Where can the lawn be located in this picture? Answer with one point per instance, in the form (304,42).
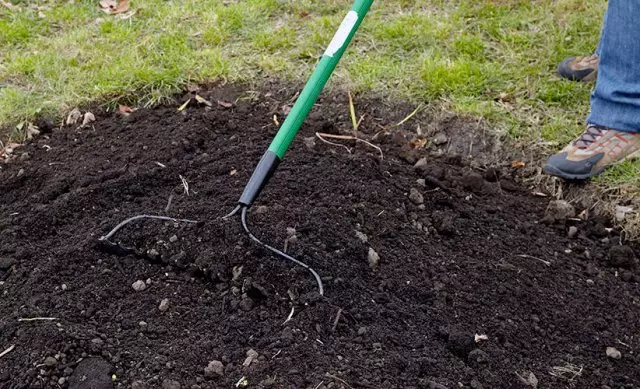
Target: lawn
(494,59)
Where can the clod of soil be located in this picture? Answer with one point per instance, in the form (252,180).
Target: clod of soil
(214,369)
(469,257)
(461,344)
(94,373)
(622,256)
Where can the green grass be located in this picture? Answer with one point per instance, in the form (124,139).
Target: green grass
(490,58)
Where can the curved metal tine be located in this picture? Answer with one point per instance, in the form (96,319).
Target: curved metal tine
(107,245)
(280,253)
(232,213)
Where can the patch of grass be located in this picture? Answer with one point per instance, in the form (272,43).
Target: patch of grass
(488,58)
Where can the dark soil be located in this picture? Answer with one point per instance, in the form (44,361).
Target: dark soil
(460,255)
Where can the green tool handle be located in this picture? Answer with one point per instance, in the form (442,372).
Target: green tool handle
(308,97)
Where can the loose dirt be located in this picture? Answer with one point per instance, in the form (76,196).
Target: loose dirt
(468,288)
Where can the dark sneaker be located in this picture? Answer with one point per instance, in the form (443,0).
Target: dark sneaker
(579,68)
(595,150)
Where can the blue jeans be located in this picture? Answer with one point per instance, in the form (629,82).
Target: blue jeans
(615,102)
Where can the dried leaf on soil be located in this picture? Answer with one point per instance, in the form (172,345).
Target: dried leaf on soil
(518,164)
(418,143)
(123,109)
(123,6)
(32,131)
(88,118)
(113,8)
(74,117)
(108,5)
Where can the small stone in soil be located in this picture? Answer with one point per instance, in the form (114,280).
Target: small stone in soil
(373,258)
(573,231)
(139,286)
(97,341)
(558,210)
(421,164)
(364,238)
(262,209)
(50,361)
(164,305)
(170,384)
(246,304)
(622,256)
(252,355)
(440,139)
(214,369)
(173,239)
(63,287)
(67,371)
(309,142)
(416,197)
(613,353)
(153,254)
(421,182)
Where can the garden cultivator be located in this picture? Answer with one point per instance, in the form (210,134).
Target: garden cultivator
(280,144)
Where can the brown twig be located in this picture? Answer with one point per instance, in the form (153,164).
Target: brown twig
(335,322)
(293,309)
(185,185)
(322,135)
(532,257)
(7,351)
(412,114)
(37,319)
(166,209)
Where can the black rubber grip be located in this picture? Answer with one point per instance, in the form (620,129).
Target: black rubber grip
(259,179)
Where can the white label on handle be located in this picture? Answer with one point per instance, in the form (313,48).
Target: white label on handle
(343,33)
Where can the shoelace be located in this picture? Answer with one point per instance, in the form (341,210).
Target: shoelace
(589,136)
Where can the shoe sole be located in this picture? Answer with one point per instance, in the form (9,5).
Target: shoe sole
(554,171)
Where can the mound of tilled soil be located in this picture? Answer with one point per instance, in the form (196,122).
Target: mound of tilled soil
(436,276)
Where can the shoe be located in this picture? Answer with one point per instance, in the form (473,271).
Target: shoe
(595,150)
(579,68)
